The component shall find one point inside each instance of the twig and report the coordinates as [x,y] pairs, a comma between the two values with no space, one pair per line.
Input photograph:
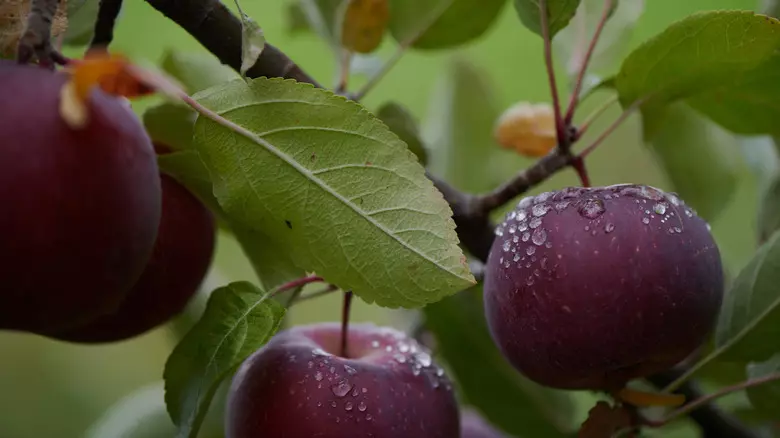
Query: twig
[344,64]
[607,132]
[300,282]
[579,166]
[345,311]
[214,26]
[560,127]
[104,26]
[575,96]
[35,40]
[585,125]
[713,422]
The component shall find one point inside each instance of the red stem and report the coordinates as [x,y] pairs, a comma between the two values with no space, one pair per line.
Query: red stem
[623,116]
[296,283]
[579,165]
[345,323]
[560,127]
[575,96]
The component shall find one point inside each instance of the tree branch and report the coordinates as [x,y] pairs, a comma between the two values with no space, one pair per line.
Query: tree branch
[35,40]
[104,25]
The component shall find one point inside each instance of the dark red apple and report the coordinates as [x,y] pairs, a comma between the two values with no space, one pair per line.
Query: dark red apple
[298,385]
[179,263]
[590,288]
[80,207]
[473,425]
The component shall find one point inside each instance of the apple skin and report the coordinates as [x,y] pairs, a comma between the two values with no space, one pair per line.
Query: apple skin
[180,261]
[591,288]
[81,208]
[473,425]
[297,386]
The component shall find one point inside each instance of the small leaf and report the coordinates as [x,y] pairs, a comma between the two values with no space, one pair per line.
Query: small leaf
[486,379]
[403,124]
[748,324]
[239,319]
[196,71]
[696,55]
[170,124]
[296,21]
[699,158]
[766,397]
[252,41]
[330,183]
[559,13]
[571,43]
[441,24]
[769,210]
[604,420]
[365,22]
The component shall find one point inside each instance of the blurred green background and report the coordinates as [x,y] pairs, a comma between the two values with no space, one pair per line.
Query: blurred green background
[53,389]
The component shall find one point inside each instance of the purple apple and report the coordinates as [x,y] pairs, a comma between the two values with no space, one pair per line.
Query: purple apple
[299,385]
[590,288]
[81,207]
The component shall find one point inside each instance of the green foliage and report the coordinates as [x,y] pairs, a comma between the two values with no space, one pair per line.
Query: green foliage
[321,16]
[170,124]
[769,210]
[487,381]
[329,183]
[748,325]
[81,21]
[401,122]
[196,71]
[559,13]
[765,398]
[699,159]
[188,169]
[239,319]
[441,24]
[695,56]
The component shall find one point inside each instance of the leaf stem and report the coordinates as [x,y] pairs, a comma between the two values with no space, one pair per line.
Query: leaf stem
[300,282]
[717,394]
[400,51]
[594,116]
[331,288]
[343,81]
[623,116]
[345,323]
[575,96]
[579,166]
[560,128]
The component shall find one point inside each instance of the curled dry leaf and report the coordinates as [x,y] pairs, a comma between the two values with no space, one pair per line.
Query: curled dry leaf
[644,399]
[13,15]
[365,22]
[604,420]
[527,128]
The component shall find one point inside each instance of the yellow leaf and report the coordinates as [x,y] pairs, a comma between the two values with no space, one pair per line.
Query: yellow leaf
[527,128]
[364,25]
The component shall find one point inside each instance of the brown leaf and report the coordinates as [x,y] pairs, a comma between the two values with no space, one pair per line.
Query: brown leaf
[604,420]
[364,25]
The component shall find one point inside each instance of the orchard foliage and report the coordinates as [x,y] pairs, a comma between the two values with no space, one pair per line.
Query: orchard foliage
[601,289]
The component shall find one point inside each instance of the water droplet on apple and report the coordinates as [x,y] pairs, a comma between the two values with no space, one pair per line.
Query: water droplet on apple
[318,376]
[348,406]
[342,388]
[539,236]
[592,209]
[362,407]
[350,370]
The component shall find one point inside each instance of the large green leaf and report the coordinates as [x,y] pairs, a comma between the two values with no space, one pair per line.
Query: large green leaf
[82,15]
[187,168]
[401,122]
[440,24]
[330,183]
[749,323]
[696,55]
[699,158]
[239,319]
[170,124]
[486,379]
[459,130]
[559,13]
[571,43]
[766,397]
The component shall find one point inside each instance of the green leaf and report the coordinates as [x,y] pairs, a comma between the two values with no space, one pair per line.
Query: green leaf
[559,13]
[170,124]
[196,71]
[766,397]
[296,21]
[252,41]
[570,46]
[188,169]
[746,102]
[699,158]
[459,130]
[769,210]
[82,15]
[401,122]
[332,185]
[441,24]
[239,319]
[696,55]
[486,379]
[749,322]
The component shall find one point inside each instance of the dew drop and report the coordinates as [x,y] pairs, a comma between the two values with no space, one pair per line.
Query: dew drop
[516,257]
[587,228]
[530,250]
[535,222]
[400,358]
[610,227]
[511,215]
[512,229]
[348,406]
[318,376]
[688,213]
[540,210]
[374,344]
[369,417]
[592,208]
[333,370]
[389,348]
[521,215]
[678,230]
[439,372]
[506,264]
[530,281]
[311,364]
[350,370]
[319,352]
[362,407]
[561,206]
[522,226]
[645,220]
[525,202]
[364,390]
[543,197]
[526,236]
[499,231]
[515,238]
[548,244]
[539,236]
[537,273]
[506,245]
[543,263]
[341,389]
[333,404]
[319,404]
[659,208]
[403,348]
[424,359]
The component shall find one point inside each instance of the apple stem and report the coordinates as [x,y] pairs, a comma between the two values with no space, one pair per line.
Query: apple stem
[345,323]
[717,394]
[575,96]
[564,142]
[579,166]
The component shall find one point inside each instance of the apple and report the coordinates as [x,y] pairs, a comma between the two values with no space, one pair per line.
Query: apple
[588,288]
[299,385]
[81,207]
